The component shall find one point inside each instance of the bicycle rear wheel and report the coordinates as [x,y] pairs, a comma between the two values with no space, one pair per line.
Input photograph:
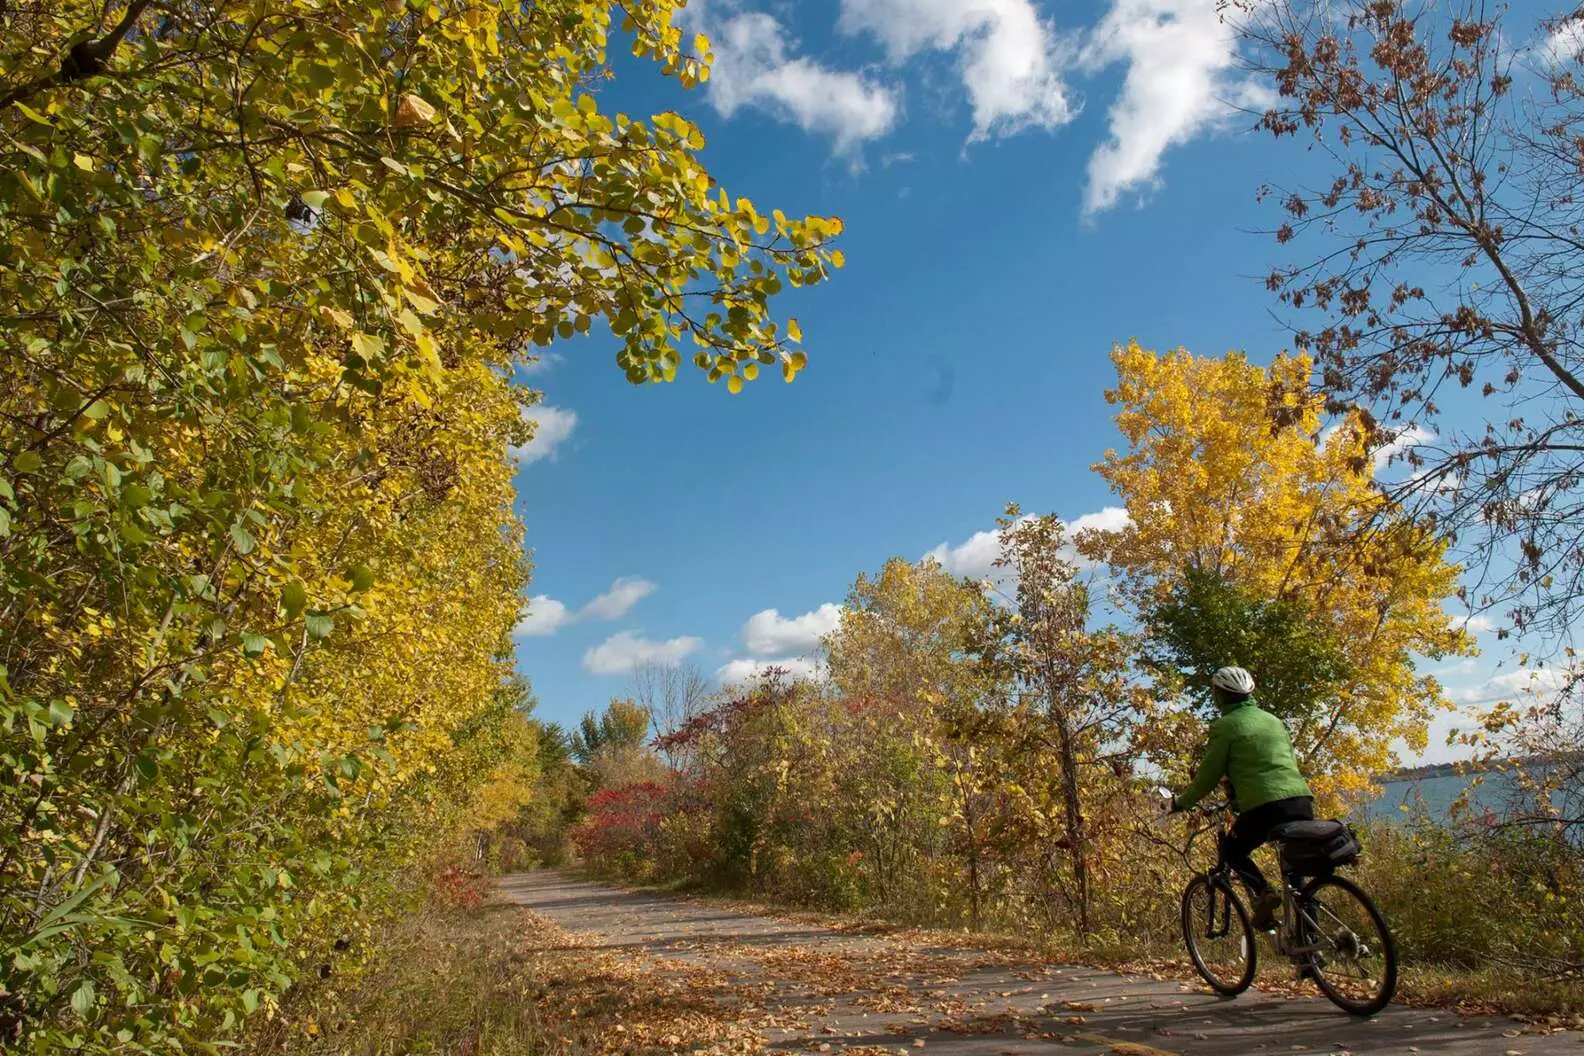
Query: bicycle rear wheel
[1355,959]
[1220,940]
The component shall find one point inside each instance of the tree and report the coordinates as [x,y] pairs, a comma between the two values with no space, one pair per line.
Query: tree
[906,637]
[1075,679]
[266,272]
[1208,620]
[905,659]
[613,747]
[672,694]
[1440,280]
[1228,472]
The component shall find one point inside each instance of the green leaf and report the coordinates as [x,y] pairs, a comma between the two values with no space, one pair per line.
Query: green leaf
[98,410]
[319,625]
[394,165]
[319,76]
[250,1001]
[241,538]
[253,644]
[33,115]
[82,1000]
[294,598]
[147,768]
[27,462]
[315,200]
[362,578]
[61,713]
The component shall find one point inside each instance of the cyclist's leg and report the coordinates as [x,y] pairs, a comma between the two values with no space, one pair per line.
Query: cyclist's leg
[1251,829]
[1238,846]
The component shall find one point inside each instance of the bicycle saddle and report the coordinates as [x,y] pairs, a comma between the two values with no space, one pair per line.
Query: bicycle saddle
[1307,830]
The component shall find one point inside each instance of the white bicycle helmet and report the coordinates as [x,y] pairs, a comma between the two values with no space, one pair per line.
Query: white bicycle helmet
[1233,680]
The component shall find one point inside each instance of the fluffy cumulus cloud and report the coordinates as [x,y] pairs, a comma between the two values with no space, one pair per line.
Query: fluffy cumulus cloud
[542,362]
[1520,684]
[738,672]
[541,616]
[1008,57]
[976,556]
[1180,59]
[768,633]
[1109,519]
[553,426]
[1564,44]
[544,615]
[619,600]
[620,653]
[753,67]
[1412,436]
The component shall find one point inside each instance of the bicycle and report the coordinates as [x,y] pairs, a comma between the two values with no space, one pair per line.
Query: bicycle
[1328,927]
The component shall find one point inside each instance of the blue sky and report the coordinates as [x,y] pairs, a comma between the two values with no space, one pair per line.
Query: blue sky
[1022,188]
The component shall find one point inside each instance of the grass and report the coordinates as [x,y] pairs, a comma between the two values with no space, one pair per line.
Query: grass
[498,980]
[440,981]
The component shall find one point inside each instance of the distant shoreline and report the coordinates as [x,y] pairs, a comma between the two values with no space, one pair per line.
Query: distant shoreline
[1465,768]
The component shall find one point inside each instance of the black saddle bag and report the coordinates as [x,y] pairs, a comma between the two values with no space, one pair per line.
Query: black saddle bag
[1316,847]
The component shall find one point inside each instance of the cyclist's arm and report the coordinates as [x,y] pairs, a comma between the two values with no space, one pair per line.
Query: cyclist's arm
[1211,770]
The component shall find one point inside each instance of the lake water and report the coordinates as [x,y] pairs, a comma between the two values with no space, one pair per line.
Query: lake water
[1434,797]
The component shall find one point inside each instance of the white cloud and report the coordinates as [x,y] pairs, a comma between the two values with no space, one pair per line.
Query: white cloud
[1009,59]
[738,672]
[618,601]
[542,362]
[1109,519]
[552,427]
[975,557]
[1520,684]
[1563,44]
[1406,438]
[541,616]
[768,633]
[751,68]
[1179,55]
[544,615]
[1475,624]
[620,653]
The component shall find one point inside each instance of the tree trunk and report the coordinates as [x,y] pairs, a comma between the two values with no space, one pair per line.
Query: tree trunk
[1078,844]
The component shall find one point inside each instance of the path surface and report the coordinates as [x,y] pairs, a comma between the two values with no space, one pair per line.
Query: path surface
[807,988]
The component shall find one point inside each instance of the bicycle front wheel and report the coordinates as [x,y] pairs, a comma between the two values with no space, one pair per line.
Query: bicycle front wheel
[1220,940]
[1353,957]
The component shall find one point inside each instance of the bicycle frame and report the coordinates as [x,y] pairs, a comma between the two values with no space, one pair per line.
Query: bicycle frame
[1218,874]
[1288,939]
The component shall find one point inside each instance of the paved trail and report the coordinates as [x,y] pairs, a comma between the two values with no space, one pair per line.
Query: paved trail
[807,988]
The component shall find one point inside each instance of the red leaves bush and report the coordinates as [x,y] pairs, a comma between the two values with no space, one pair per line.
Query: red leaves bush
[459,887]
[622,823]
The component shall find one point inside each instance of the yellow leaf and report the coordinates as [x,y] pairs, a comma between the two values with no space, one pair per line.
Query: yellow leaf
[413,110]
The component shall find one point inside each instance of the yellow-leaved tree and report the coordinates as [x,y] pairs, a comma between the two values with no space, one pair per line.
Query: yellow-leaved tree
[1231,475]
[266,274]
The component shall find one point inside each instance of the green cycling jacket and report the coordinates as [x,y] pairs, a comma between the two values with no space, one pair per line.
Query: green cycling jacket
[1249,746]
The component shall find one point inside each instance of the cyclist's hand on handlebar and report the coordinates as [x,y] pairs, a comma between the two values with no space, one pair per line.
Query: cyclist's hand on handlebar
[1164,804]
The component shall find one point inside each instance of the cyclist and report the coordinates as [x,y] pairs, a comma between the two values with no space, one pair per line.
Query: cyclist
[1250,748]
